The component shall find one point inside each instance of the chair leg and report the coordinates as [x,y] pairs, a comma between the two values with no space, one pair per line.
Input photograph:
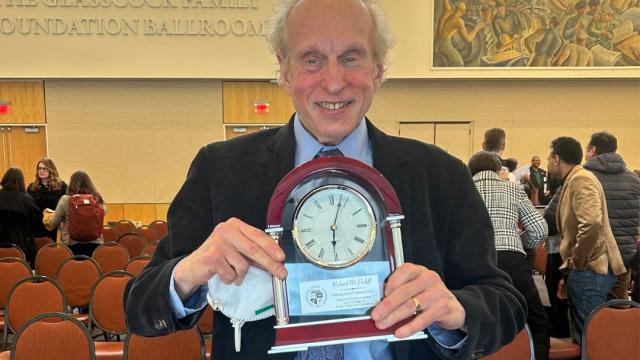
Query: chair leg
[4,337]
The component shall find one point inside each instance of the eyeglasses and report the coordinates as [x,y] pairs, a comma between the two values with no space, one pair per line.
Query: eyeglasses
[42,168]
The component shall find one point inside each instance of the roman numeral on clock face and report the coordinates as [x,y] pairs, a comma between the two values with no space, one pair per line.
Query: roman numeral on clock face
[361,241]
[321,254]
[310,243]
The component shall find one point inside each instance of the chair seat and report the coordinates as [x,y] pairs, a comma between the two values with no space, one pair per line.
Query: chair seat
[563,349]
[83,318]
[109,350]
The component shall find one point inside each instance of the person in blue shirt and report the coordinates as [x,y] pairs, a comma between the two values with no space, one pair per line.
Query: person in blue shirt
[332,55]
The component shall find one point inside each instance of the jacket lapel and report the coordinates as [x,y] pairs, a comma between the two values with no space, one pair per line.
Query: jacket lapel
[389,160]
[565,185]
[280,156]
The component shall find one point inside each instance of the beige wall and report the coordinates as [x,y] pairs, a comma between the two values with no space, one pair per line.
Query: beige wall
[137,138]
[533,112]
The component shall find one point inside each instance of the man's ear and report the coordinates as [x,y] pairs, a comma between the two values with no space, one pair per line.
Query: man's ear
[285,77]
[378,76]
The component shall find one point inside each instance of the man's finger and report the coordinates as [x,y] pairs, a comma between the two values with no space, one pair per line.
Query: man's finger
[265,241]
[403,275]
[252,250]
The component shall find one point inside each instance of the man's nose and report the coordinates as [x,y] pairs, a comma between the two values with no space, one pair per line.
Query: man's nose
[334,80]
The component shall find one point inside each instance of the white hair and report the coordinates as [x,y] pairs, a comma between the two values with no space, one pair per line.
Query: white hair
[277,34]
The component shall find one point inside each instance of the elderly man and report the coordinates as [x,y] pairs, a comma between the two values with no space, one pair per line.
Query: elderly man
[331,55]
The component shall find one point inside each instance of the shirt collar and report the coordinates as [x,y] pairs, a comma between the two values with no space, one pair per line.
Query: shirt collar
[486,175]
[356,145]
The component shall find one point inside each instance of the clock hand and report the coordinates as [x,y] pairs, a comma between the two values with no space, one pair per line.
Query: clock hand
[334,227]
[337,211]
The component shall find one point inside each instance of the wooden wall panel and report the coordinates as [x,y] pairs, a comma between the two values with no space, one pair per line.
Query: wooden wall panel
[232,131]
[115,213]
[239,97]
[161,211]
[143,213]
[24,148]
[137,213]
[27,102]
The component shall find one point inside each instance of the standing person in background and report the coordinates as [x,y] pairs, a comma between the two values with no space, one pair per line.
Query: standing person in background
[622,191]
[46,190]
[558,313]
[538,178]
[591,259]
[19,214]
[79,183]
[495,142]
[508,205]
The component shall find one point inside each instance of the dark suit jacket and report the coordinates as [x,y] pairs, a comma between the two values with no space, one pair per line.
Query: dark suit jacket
[539,184]
[447,229]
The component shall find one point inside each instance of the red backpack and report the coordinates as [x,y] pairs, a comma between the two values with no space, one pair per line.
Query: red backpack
[85,217]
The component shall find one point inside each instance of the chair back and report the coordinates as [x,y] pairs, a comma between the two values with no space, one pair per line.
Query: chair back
[111,256]
[149,233]
[50,257]
[205,324]
[133,242]
[125,226]
[11,250]
[149,249]
[612,331]
[53,336]
[180,345]
[136,264]
[13,269]
[521,347]
[105,308]
[29,297]
[540,258]
[110,234]
[40,242]
[77,275]
[160,226]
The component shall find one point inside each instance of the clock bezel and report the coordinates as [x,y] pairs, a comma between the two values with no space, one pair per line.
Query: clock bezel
[370,238]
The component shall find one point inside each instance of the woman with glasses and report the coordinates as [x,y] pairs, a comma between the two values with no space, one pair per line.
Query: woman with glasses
[46,190]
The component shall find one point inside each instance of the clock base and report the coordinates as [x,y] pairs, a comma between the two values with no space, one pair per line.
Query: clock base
[300,337]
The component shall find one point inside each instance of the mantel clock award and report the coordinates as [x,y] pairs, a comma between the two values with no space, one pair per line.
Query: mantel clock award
[338,222]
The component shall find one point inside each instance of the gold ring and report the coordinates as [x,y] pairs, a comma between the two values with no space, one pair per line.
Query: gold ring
[416,302]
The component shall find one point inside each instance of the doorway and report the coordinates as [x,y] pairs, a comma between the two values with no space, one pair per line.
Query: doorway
[453,137]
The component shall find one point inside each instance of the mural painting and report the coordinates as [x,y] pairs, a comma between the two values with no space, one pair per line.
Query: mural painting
[536,33]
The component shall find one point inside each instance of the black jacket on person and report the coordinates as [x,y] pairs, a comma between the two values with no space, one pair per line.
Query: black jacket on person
[19,216]
[46,198]
[447,229]
[622,191]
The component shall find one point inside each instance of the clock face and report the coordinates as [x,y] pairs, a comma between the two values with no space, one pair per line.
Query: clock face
[334,226]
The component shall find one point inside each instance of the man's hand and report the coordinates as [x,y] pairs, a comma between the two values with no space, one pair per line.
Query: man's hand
[412,288]
[228,251]
[561,293]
